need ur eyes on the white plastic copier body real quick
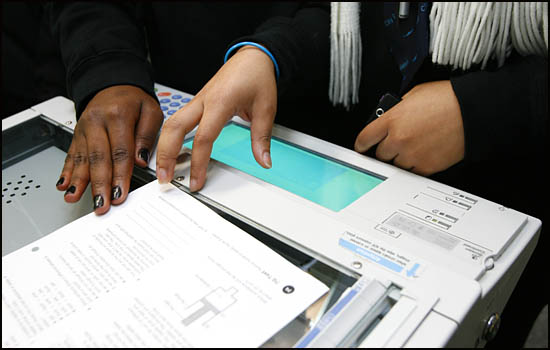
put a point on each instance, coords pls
(453, 258)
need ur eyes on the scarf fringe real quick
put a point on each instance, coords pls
(462, 34)
(345, 54)
(470, 33)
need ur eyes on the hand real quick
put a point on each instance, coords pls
(118, 127)
(244, 86)
(423, 133)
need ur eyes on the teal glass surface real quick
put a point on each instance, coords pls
(318, 179)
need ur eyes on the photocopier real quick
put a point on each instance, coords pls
(410, 262)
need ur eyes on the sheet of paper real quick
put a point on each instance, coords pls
(160, 270)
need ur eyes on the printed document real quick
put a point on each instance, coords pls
(160, 270)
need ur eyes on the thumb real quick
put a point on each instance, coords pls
(372, 134)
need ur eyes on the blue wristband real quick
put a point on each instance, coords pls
(244, 43)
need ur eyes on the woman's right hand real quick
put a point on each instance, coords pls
(245, 86)
(117, 129)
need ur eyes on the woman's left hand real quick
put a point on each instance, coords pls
(423, 133)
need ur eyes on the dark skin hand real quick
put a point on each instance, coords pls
(117, 129)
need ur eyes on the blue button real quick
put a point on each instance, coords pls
(172, 111)
(174, 104)
(176, 97)
(185, 100)
(165, 100)
(164, 108)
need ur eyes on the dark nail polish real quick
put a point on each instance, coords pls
(144, 154)
(71, 189)
(60, 181)
(116, 193)
(98, 201)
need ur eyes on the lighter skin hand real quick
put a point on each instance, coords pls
(423, 133)
(244, 86)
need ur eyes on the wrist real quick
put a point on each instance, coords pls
(247, 45)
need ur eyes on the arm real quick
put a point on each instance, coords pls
(246, 85)
(301, 45)
(102, 44)
(505, 112)
(108, 77)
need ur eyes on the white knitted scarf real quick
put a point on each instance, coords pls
(462, 34)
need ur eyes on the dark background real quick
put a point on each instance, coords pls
(32, 72)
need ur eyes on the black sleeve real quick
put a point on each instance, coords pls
(505, 112)
(102, 44)
(300, 44)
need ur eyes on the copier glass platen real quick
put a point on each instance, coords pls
(410, 262)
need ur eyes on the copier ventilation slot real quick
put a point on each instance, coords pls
(19, 187)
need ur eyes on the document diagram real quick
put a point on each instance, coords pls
(210, 305)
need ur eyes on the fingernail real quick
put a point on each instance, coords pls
(267, 159)
(98, 201)
(192, 184)
(144, 154)
(60, 181)
(71, 189)
(162, 175)
(116, 193)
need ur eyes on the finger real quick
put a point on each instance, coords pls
(100, 163)
(211, 124)
(403, 162)
(80, 173)
(171, 137)
(261, 127)
(121, 140)
(372, 134)
(147, 128)
(67, 171)
(387, 150)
